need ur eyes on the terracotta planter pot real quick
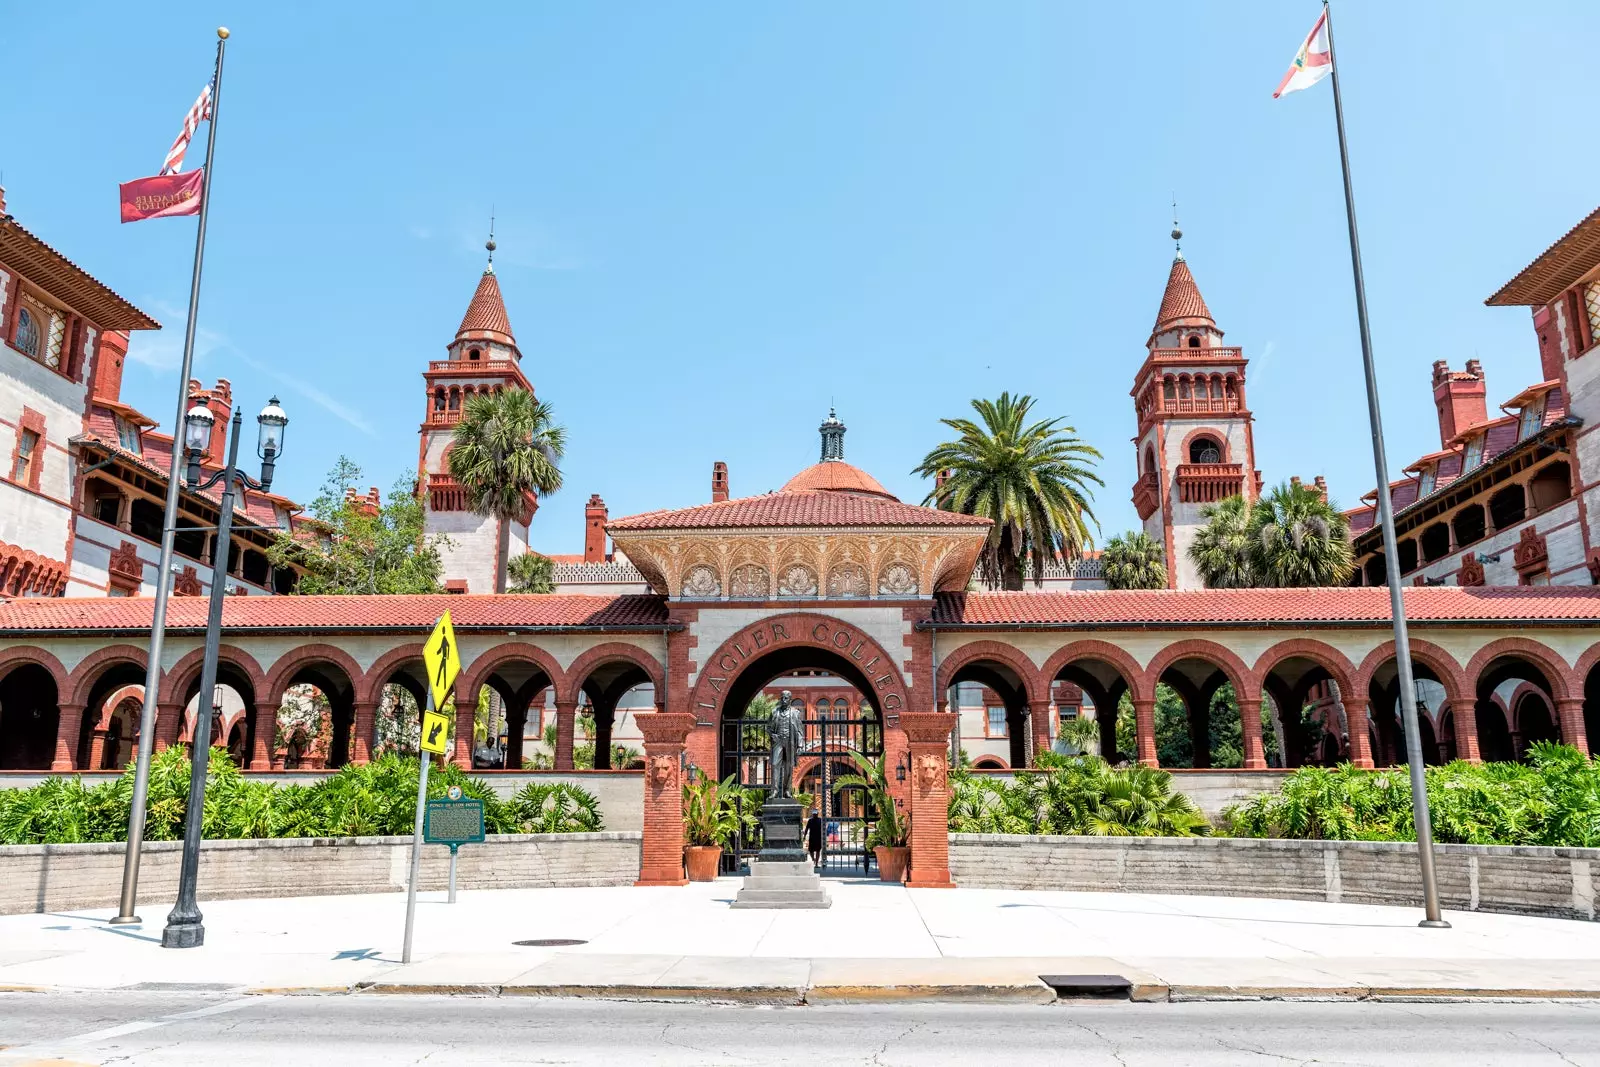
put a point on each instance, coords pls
(702, 861)
(892, 863)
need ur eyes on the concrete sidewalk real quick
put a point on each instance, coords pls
(877, 942)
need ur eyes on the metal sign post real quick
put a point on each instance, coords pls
(453, 822)
(443, 663)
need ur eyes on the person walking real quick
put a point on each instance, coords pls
(814, 838)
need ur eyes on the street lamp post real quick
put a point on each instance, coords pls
(185, 928)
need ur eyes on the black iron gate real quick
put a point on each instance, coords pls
(831, 734)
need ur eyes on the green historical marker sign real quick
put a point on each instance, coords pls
(454, 823)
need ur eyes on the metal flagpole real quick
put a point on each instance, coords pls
(1402, 645)
(158, 620)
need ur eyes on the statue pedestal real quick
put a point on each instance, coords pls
(781, 875)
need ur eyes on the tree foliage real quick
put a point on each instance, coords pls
(1134, 560)
(1081, 795)
(1031, 478)
(506, 446)
(531, 573)
(358, 550)
(1290, 538)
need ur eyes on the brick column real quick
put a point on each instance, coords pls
(661, 854)
(1255, 758)
(928, 734)
(1144, 718)
(1464, 714)
(169, 725)
(70, 724)
(1039, 713)
(466, 712)
(566, 718)
(1569, 710)
(1355, 717)
(264, 752)
(363, 731)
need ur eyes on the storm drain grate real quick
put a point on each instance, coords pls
(550, 942)
(1089, 986)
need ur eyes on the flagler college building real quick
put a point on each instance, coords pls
(833, 582)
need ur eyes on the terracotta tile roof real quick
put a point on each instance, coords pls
(1182, 304)
(1558, 267)
(66, 281)
(836, 474)
(1107, 609)
(804, 507)
(509, 611)
(487, 312)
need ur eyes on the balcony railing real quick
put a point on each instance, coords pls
(1147, 494)
(1216, 405)
(1196, 355)
(1207, 483)
(474, 366)
(445, 493)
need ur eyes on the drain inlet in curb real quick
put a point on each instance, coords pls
(549, 942)
(1089, 986)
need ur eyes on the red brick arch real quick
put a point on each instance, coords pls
(96, 663)
(1324, 655)
(175, 682)
(372, 683)
(1217, 655)
(1546, 659)
(1094, 648)
(978, 651)
(18, 655)
(611, 652)
(1586, 663)
(476, 675)
(1215, 433)
(295, 659)
(1437, 660)
(721, 668)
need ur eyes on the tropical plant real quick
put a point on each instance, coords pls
(1133, 560)
(1221, 549)
(1299, 539)
(892, 827)
(1075, 795)
(1081, 733)
(1031, 479)
(532, 573)
(715, 812)
(506, 448)
(354, 547)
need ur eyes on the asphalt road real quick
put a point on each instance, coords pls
(172, 1027)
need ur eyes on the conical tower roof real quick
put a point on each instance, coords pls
(1182, 305)
(486, 318)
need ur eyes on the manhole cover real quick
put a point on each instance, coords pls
(549, 942)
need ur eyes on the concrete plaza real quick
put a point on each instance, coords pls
(877, 941)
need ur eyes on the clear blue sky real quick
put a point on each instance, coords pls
(716, 217)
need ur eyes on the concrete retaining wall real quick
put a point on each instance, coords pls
(1559, 882)
(39, 878)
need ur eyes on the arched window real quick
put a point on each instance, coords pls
(472, 354)
(1202, 390)
(1149, 460)
(1194, 340)
(1169, 391)
(1205, 450)
(455, 400)
(438, 400)
(27, 333)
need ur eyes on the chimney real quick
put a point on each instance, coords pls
(364, 505)
(1460, 397)
(719, 482)
(113, 345)
(939, 479)
(220, 400)
(594, 530)
(1322, 486)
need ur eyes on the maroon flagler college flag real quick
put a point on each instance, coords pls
(163, 197)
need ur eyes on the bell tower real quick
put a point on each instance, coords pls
(1195, 446)
(483, 358)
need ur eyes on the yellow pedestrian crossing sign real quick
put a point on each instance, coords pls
(435, 732)
(443, 660)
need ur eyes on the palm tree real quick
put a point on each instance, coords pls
(505, 447)
(1031, 479)
(1222, 548)
(1300, 539)
(531, 573)
(1133, 561)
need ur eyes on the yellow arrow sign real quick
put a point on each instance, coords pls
(435, 732)
(443, 660)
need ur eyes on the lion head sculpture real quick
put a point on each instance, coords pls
(663, 769)
(930, 769)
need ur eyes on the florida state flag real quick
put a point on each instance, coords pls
(163, 197)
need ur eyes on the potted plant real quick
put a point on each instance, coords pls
(890, 839)
(713, 812)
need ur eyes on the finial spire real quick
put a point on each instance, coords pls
(832, 436)
(489, 244)
(1177, 234)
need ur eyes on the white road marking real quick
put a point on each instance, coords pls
(55, 1045)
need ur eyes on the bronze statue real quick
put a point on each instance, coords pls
(785, 731)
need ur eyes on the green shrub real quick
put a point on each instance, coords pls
(1074, 795)
(1553, 799)
(378, 798)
